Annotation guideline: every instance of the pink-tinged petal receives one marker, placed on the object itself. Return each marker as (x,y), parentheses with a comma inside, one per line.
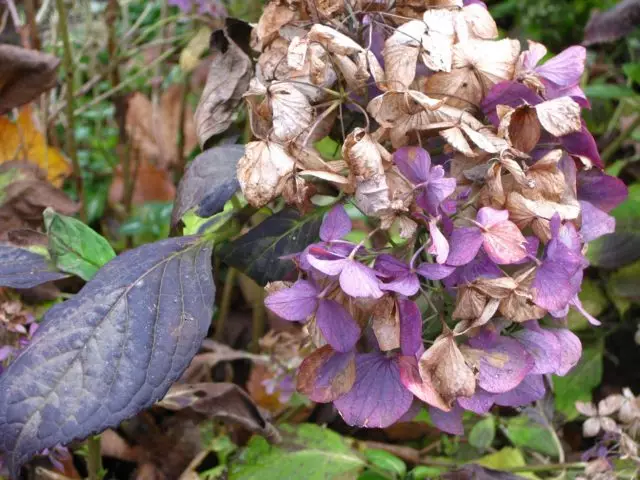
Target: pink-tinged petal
(529,390)
(577,304)
(410,327)
(504,243)
(326,374)
(391,266)
(582,144)
(338,327)
(566,68)
(438,189)
(449,422)
(533,55)
(480,403)
(570,349)
(336,224)
(512,94)
(407,285)
(296,303)
(488,217)
(329,266)
(435,271)
(595,222)
(544,347)
(378,398)
(414,163)
(358,280)
(464,245)
(503,365)
(439,246)
(575,92)
(531,246)
(422,389)
(601,190)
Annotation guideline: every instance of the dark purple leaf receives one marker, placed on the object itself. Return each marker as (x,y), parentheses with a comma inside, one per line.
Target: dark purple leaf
(20,268)
(208,183)
(476,472)
(112,350)
(258,252)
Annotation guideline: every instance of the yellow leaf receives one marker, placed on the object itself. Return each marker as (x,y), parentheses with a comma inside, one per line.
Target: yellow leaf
(22,140)
(190,56)
(506,458)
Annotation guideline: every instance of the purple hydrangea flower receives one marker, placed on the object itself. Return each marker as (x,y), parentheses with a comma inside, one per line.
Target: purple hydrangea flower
(430,181)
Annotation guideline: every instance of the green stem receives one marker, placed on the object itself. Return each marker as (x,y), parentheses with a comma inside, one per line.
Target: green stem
(257,325)
(225,304)
(94,458)
(614,146)
(71,139)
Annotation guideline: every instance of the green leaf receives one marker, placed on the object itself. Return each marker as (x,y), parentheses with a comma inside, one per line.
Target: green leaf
(608,91)
(386,461)
(506,458)
(75,247)
(328,148)
(578,383)
(307,451)
(483,433)
(422,472)
(525,433)
(371,475)
(632,71)
(258,252)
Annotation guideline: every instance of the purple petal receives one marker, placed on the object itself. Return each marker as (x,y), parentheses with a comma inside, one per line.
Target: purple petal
(435,271)
(378,398)
(503,365)
(391,266)
(296,303)
(406,285)
(358,280)
(543,346)
(439,246)
(480,403)
(488,217)
(336,224)
(601,190)
(512,94)
(338,327)
(566,68)
(552,286)
(582,144)
(328,264)
(575,92)
(435,192)
(414,163)
(577,304)
(595,222)
(531,246)
(529,390)
(464,245)
(480,266)
(410,327)
(449,422)
(570,349)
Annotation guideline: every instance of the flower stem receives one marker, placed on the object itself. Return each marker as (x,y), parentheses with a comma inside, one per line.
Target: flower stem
(614,146)
(71,139)
(94,458)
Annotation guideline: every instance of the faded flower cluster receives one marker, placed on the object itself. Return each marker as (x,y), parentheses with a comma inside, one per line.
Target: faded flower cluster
(466,149)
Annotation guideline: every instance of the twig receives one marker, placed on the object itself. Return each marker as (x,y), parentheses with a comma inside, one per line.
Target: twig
(257,324)
(225,304)
(94,458)
(71,139)
(182,158)
(126,82)
(614,146)
(30,11)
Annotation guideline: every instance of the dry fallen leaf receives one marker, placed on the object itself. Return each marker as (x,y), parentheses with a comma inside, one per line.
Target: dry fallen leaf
(228,79)
(23,140)
(153,184)
(24,74)
(154,134)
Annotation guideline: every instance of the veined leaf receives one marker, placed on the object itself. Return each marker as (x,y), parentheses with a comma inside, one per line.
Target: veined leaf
(74,246)
(258,252)
(21,268)
(112,350)
(314,452)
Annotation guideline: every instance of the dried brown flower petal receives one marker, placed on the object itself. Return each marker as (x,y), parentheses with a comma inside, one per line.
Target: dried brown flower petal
(292,112)
(362,154)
